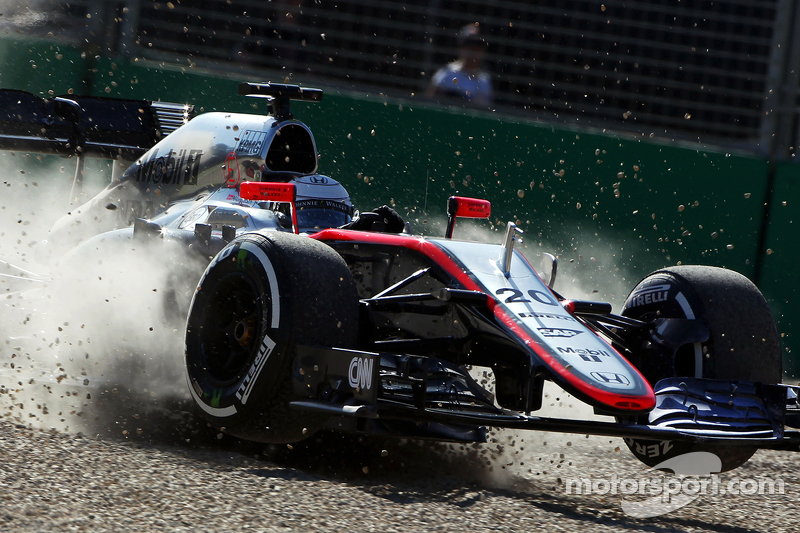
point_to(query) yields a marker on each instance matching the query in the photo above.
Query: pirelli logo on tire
(243, 393)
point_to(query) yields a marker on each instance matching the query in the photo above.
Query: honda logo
(318, 179)
(610, 377)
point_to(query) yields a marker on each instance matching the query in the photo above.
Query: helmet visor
(314, 215)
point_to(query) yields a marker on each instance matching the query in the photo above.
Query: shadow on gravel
(436, 477)
(124, 415)
(403, 472)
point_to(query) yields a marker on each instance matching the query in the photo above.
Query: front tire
(743, 343)
(260, 297)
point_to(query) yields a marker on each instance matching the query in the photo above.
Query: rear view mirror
(263, 191)
(549, 269)
(460, 206)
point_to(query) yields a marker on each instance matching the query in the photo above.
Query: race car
(299, 323)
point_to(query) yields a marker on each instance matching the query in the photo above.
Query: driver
(322, 202)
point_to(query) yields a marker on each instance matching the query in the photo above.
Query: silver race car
(307, 315)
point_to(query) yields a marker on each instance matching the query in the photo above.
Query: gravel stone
(55, 481)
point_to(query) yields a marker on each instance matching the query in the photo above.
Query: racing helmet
(321, 202)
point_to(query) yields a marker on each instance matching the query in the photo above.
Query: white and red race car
(361, 326)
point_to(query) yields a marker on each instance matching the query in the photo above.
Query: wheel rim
(230, 328)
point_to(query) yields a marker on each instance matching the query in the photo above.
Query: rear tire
(743, 344)
(260, 297)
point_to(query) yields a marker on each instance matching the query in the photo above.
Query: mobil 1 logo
(587, 354)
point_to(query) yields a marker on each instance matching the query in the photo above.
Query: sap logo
(172, 168)
(592, 356)
(650, 295)
(610, 377)
(360, 373)
(243, 393)
(251, 143)
(559, 332)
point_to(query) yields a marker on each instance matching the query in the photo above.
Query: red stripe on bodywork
(418, 244)
(611, 399)
(443, 259)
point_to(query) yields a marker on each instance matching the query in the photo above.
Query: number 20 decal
(517, 296)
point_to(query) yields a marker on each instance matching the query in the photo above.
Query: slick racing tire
(260, 297)
(743, 343)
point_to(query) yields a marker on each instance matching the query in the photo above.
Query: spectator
(465, 76)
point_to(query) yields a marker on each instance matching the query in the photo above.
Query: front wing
(386, 388)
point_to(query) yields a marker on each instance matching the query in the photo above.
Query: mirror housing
(264, 191)
(460, 206)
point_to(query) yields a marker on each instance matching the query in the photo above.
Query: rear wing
(89, 126)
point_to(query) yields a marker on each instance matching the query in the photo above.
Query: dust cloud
(29, 14)
(94, 332)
